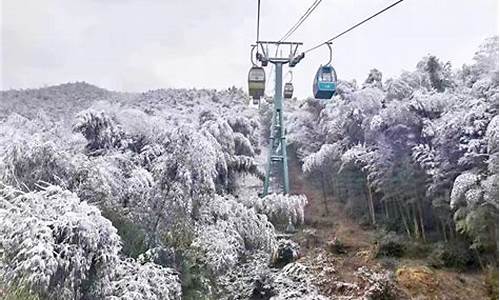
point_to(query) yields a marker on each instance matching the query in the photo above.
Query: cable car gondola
(288, 89)
(256, 81)
(325, 81)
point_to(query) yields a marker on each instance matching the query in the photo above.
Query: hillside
(65, 100)
(132, 190)
(154, 195)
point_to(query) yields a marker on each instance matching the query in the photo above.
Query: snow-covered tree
(133, 281)
(227, 229)
(282, 210)
(101, 132)
(403, 146)
(52, 243)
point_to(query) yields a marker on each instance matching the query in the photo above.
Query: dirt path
(324, 228)
(412, 279)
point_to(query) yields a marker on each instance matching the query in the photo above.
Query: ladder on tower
(277, 159)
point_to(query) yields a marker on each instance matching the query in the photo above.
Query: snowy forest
(154, 195)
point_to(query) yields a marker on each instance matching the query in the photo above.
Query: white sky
(136, 45)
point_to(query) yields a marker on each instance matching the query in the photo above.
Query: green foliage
(417, 249)
(336, 246)
(197, 283)
(482, 225)
(492, 282)
(132, 236)
(454, 254)
(180, 236)
(390, 244)
(351, 186)
(19, 293)
(392, 223)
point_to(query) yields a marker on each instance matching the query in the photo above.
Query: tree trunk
(449, 223)
(415, 223)
(159, 212)
(407, 228)
(481, 264)
(422, 226)
(386, 210)
(332, 182)
(391, 211)
(496, 240)
(443, 227)
(371, 208)
(324, 193)
(407, 211)
(452, 231)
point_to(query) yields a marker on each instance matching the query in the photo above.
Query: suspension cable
(301, 20)
(354, 26)
(258, 20)
(294, 28)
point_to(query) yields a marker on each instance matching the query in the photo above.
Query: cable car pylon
(277, 158)
(325, 84)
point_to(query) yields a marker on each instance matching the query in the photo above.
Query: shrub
(228, 229)
(197, 283)
(54, 251)
(132, 236)
(18, 293)
(100, 130)
(492, 282)
(452, 255)
(416, 249)
(131, 280)
(25, 162)
(59, 247)
(336, 246)
(286, 252)
(280, 209)
(390, 244)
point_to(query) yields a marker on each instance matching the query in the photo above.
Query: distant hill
(56, 101)
(62, 102)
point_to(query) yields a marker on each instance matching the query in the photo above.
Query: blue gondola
(325, 82)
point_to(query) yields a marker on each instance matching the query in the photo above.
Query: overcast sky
(136, 45)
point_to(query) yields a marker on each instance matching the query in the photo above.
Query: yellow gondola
(256, 82)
